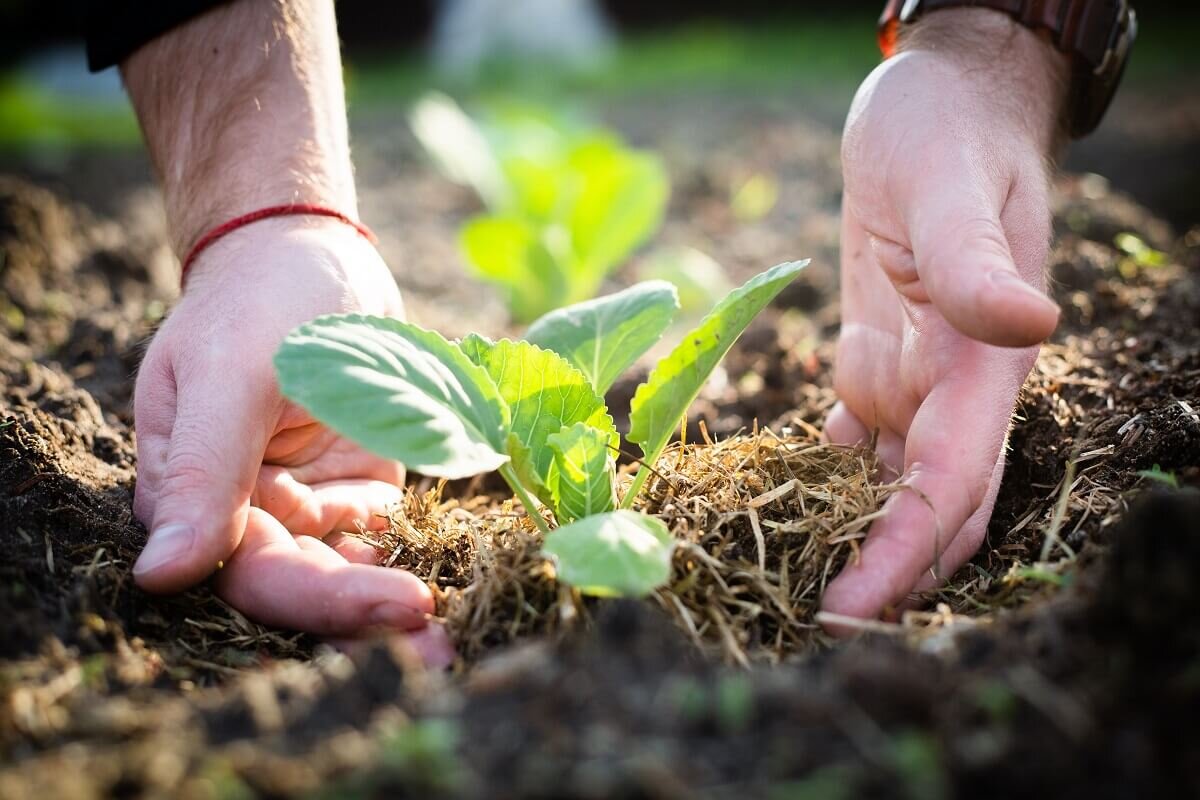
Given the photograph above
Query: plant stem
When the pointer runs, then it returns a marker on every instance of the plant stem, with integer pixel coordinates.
(527, 500)
(640, 478)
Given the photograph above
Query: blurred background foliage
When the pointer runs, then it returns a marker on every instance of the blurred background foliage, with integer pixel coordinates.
(812, 53)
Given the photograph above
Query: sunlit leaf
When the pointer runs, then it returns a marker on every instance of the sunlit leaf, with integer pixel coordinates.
(603, 337)
(621, 200)
(398, 390)
(459, 148)
(700, 280)
(621, 553)
(514, 254)
(544, 394)
(755, 198)
(582, 482)
(660, 403)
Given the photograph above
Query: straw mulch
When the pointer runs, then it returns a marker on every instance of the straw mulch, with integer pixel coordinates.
(763, 523)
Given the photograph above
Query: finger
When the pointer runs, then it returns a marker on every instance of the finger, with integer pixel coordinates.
(315, 454)
(842, 427)
(953, 448)
(204, 476)
(867, 381)
(154, 413)
(302, 584)
(353, 549)
(431, 644)
(324, 508)
(968, 540)
(962, 254)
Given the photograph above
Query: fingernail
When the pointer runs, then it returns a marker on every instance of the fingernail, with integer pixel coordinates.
(1011, 281)
(166, 545)
(396, 615)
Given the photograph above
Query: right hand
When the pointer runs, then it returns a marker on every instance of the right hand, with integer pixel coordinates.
(235, 479)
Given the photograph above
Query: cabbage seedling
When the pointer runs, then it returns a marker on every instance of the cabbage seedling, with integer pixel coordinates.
(532, 409)
(566, 205)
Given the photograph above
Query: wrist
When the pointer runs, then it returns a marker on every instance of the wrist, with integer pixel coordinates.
(315, 254)
(1025, 77)
(243, 108)
(243, 186)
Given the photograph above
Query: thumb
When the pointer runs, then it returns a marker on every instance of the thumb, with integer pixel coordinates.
(964, 257)
(208, 471)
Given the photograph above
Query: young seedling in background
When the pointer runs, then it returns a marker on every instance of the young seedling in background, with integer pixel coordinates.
(566, 204)
(531, 410)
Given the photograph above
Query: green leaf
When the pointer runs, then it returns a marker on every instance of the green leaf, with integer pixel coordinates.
(581, 484)
(459, 148)
(621, 200)
(621, 553)
(1159, 475)
(700, 280)
(660, 403)
(544, 394)
(398, 390)
(515, 255)
(476, 347)
(602, 337)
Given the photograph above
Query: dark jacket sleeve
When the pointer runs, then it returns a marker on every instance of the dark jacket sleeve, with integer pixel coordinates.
(116, 28)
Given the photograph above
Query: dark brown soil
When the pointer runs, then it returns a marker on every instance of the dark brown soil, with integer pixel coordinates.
(1075, 677)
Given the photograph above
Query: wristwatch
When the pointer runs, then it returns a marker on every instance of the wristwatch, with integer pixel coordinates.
(1096, 34)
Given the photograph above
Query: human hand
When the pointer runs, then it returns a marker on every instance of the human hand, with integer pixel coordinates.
(231, 473)
(242, 108)
(945, 232)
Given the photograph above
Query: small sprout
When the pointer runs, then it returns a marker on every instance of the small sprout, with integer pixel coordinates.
(1138, 255)
(996, 700)
(735, 702)
(1038, 572)
(916, 757)
(833, 782)
(1159, 475)
(14, 318)
(754, 198)
(425, 752)
(535, 414)
(688, 697)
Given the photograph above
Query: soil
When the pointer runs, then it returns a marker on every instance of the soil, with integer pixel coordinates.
(1072, 674)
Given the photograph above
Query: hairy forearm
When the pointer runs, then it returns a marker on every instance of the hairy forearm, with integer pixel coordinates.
(243, 108)
(1022, 71)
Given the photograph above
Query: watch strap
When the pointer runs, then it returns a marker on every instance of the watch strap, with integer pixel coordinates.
(1096, 34)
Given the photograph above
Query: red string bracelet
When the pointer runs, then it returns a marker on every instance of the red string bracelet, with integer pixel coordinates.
(289, 209)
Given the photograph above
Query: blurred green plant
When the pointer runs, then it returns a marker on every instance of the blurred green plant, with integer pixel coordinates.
(701, 281)
(754, 198)
(566, 203)
(31, 116)
(1138, 255)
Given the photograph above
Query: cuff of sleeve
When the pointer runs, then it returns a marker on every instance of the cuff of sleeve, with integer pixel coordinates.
(117, 28)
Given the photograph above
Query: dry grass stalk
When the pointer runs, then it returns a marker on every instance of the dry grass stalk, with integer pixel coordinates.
(764, 522)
